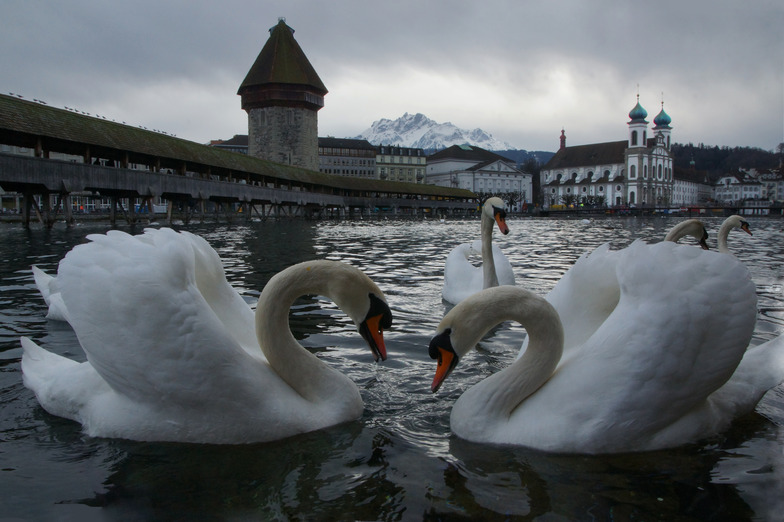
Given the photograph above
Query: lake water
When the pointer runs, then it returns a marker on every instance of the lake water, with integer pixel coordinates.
(399, 461)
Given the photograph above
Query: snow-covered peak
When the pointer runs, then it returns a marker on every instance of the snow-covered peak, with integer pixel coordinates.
(419, 131)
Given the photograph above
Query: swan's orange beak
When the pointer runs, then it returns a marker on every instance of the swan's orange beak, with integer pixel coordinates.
(745, 227)
(447, 360)
(373, 332)
(501, 220)
(379, 316)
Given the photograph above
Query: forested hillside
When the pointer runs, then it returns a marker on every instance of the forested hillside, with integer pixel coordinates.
(720, 160)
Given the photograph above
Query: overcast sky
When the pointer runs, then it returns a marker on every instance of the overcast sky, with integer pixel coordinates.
(521, 70)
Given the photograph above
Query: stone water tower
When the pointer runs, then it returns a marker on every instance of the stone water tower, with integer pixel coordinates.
(282, 95)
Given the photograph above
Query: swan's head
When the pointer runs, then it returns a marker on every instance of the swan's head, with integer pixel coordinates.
(494, 209)
(736, 221)
(691, 227)
(363, 301)
(378, 317)
(699, 233)
(465, 324)
(442, 351)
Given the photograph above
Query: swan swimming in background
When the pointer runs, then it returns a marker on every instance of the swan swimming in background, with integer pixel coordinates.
(690, 227)
(461, 278)
(667, 367)
(696, 229)
(589, 291)
(727, 226)
(175, 354)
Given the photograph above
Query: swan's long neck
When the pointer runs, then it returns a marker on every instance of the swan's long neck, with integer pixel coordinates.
(690, 227)
(302, 370)
(489, 276)
(498, 395)
(724, 233)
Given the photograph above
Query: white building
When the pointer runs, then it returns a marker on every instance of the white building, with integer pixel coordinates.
(635, 171)
(734, 189)
(691, 187)
(481, 171)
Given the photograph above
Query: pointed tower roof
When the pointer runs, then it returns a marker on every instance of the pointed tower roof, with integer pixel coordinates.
(282, 74)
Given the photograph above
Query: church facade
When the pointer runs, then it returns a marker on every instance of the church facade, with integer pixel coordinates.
(637, 171)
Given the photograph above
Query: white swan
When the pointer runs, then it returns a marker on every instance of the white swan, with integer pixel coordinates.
(696, 229)
(727, 226)
(669, 365)
(689, 227)
(461, 278)
(175, 354)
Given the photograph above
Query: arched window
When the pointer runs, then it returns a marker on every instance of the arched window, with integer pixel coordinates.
(631, 197)
(634, 137)
(633, 172)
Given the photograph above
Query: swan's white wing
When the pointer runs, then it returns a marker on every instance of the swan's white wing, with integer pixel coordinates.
(681, 327)
(143, 323)
(461, 278)
(226, 303)
(585, 296)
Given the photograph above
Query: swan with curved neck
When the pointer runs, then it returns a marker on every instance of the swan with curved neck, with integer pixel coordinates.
(729, 225)
(690, 227)
(169, 353)
(651, 376)
(461, 278)
(696, 229)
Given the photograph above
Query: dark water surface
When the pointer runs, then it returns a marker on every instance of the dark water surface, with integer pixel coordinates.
(399, 461)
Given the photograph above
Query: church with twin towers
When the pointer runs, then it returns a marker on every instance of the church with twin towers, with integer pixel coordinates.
(637, 171)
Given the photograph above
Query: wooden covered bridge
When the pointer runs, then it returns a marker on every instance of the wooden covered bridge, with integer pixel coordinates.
(100, 158)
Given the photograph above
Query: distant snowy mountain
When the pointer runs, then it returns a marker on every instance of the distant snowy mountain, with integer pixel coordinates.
(419, 131)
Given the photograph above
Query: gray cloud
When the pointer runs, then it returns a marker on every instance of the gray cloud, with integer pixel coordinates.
(521, 70)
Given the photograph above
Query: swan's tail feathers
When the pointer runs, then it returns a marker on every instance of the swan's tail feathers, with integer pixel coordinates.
(44, 282)
(50, 291)
(760, 370)
(767, 359)
(60, 384)
(41, 367)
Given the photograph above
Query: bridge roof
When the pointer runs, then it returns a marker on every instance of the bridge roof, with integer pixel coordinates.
(26, 123)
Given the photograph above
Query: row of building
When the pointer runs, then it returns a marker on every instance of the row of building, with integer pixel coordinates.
(459, 166)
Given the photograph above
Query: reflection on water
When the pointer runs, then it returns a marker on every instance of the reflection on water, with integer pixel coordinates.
(399, 460)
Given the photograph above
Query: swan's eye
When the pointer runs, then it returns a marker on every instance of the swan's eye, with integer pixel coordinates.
(439, 342)
(379, 307)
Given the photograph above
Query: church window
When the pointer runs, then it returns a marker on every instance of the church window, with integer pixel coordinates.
(633, 172)
(634, 138)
